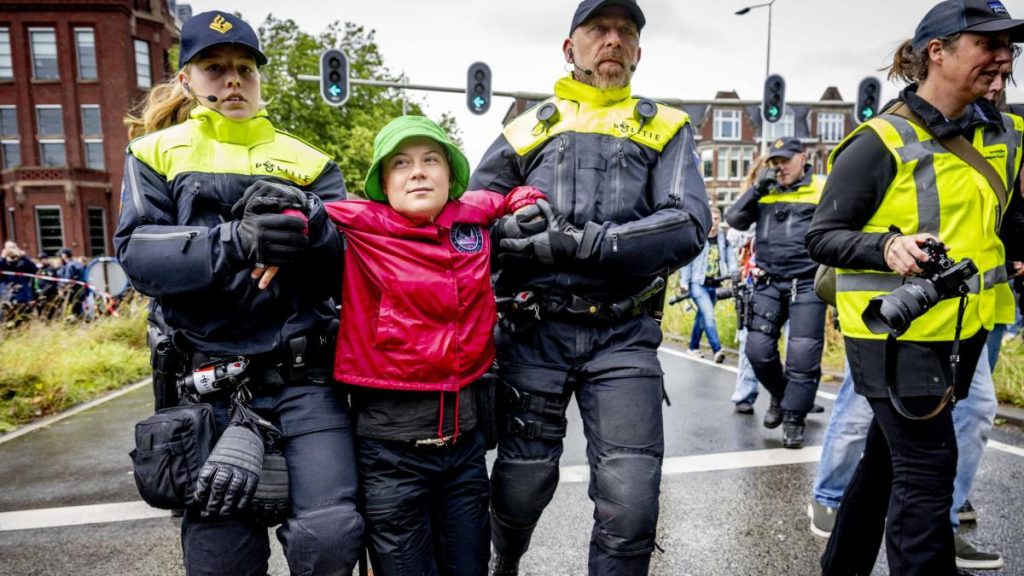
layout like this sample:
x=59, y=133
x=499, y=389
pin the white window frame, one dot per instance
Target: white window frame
x=6, y=59
x=730, y=116
x=82, y=110
x=15, y=108
x=707, y=156
x=39, y=231
x=78, y=53
x=62, y=142
x=32, y=50
x=726, y=196
x=103, y=223
x=103, y=161
x=4, y=143
x=829, y=123
x=734, y=162
x=784, y=128
x=143, y=65
x=39, y=107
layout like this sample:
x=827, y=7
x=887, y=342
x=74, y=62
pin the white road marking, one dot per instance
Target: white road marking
x=78, y=515
x=733, y=369
x=1015, y=450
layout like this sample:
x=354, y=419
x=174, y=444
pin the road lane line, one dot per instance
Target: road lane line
x=51, y=420
x=1015, y=450
x=733, y=369
x=78, y=515
x=713, y=462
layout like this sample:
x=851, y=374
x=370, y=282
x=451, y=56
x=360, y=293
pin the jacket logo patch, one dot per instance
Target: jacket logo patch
x=467, y=238
x=270, y=168
x=625, y=129
x=221, y=25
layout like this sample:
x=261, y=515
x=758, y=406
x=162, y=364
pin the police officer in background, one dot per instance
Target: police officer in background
x=627, y=206
x=198, y=214
x=782, y=203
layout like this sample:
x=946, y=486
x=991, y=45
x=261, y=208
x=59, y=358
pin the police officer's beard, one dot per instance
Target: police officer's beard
x=619, y=78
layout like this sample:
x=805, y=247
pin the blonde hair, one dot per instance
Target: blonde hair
x=755, y=170
x=911, y=66
x=166, y=105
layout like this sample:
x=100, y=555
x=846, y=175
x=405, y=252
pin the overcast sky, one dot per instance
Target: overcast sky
x=691, y=48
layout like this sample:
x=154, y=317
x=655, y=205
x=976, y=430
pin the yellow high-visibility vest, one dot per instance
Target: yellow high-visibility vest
x=936, y=192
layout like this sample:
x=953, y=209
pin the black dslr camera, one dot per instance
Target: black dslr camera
x=941, y=278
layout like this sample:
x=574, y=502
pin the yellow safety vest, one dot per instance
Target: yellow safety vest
x=936, y=192
x=809, y=193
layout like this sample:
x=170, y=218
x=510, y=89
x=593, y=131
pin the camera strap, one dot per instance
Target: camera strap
x=954, y=362
x=962, y=149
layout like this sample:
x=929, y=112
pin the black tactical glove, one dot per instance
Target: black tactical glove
x=229, y=477
x=765, y=182
x=558, y=242
x=265, y=197
x=528, y=222
x=270, y=502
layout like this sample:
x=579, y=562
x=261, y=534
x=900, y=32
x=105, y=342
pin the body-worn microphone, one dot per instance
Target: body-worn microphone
x=209, y=97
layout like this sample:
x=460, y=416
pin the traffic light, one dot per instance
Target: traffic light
x=478, y=88
x=774, y=104
x=868, y=96
x=334, y=86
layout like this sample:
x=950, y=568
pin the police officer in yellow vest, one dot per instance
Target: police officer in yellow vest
x=782, y=203
x=627, y=205
x=895, y=182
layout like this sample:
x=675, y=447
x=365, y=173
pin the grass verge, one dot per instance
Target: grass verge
x=48, y=367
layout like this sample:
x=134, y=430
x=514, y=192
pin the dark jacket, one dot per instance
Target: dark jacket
x=178, y=241
x=635, y=189
x=781, y=229
x=861, y=175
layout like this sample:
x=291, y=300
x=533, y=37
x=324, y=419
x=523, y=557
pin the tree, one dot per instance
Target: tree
x=345, y=133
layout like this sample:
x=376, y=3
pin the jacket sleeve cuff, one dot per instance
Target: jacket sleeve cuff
x=522, y=196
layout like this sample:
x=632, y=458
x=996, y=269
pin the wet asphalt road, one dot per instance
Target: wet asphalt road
x=721, y=513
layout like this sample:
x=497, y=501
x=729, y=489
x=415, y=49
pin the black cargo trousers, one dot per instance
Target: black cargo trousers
x=613, y=369
x=776, y=301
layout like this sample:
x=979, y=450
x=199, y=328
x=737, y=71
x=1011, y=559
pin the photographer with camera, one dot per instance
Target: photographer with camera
x=781, y=203
x=703, y=280
x=910, y=210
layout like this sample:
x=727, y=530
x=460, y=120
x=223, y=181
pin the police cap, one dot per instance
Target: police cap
x=587, y=8
x=954, y=16
x=785, y=148
x=215, y=27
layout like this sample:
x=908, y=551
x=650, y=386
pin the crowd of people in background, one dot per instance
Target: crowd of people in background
x=26, y=291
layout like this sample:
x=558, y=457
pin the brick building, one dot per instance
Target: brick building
x=69, y=71
x=728, y=134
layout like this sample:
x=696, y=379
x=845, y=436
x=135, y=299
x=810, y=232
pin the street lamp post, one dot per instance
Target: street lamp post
x=767, y=64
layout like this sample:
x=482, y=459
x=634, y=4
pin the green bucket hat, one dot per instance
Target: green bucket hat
x=402, y=128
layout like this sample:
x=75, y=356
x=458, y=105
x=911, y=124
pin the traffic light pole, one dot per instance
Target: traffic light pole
x=426, y=87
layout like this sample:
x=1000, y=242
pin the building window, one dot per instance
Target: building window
x=734, y=162
x=49, y=229
x=51, y=136
x=784, y=128
x=6, y=67
x=707, y=163
x=85, y=42
x=92, y=134
x=727, y=124
x=97, y=231
x=726, y=196
x=143, y=73
x=10, y=144
x=830, y=126
x=44, y=53
x=11, y=229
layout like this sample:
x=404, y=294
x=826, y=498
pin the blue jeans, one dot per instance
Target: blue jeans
x=746, y=382
x=704, y=297
x=851, y=417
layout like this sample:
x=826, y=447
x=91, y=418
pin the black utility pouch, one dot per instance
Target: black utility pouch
x=485, y=393
x=170, y=448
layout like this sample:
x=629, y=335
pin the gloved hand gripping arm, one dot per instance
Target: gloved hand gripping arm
x=559, y=241
x=265, y=234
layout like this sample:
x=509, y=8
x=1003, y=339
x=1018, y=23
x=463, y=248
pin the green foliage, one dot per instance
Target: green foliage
x=346, y=133
x=1009, y=374
x=47, y=367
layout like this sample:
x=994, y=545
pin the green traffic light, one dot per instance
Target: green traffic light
x=773, y=112
x=867, y=113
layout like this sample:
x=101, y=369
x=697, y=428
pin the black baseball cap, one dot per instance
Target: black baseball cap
x=215, y=27
x=587, y=8
x=785, y=148
x=954, y=16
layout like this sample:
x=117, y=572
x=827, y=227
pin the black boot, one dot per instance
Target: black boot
x=793, y=430
x=502, y=566
x=773, y=417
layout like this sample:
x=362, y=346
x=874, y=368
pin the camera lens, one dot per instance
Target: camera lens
x=892, y=313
